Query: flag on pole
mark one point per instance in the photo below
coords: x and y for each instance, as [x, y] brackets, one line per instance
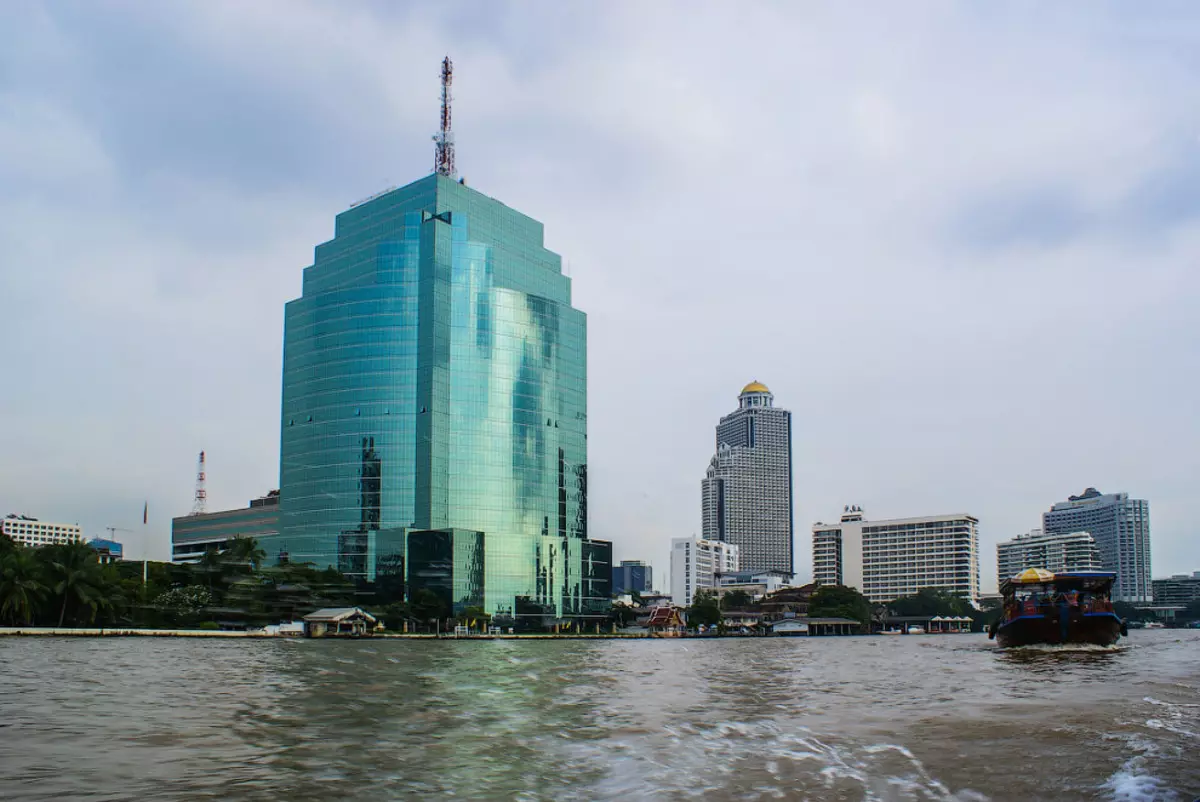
[146, 513]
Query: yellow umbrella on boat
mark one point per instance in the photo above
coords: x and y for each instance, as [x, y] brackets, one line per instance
[1031, 576]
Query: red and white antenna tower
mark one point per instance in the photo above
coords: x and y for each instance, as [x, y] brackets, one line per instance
[201, 504]
[443, 160]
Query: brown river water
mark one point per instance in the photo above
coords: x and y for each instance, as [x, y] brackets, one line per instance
[882, 718]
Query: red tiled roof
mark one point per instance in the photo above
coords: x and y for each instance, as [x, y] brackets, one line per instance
[664, 617]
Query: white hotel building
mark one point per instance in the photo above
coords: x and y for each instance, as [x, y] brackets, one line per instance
[888, 559]
[698, 564]
[32, 532]
[1073, 551]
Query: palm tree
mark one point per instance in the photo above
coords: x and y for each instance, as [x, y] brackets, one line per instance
[212, 563]
[111, 599]
[20, 585]
[75, 571]
[244, 551]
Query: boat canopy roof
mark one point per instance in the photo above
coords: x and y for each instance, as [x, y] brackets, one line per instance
[1041, 579]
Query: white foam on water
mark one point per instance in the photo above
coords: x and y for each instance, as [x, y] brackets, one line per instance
[1179, 718]
[1133, 782]
[1159, 724]
[774, 763]
[1154, 701]
[1057, 648]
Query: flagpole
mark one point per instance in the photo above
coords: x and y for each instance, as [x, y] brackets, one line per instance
[145, 545]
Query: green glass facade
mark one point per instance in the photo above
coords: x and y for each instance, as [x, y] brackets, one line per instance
[435, 407]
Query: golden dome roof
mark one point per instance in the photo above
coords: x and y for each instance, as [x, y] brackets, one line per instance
[755, 387]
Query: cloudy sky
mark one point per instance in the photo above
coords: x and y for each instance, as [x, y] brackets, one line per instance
[958, 241]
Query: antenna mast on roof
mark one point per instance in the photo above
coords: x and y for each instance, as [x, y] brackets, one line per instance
[201, 505]
[443, 160]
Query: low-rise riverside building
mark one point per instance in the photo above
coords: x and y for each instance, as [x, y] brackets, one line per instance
[743, 620]
[788, 602]
[815, 626]
[925, 624]
[666, 620]
[756, 583]
[335, 621]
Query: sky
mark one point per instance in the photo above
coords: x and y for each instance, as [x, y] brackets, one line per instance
[959, 241]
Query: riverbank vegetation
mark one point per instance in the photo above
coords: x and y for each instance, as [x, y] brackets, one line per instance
[66, 585]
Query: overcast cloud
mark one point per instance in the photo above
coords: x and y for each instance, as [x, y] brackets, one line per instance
[958, 241]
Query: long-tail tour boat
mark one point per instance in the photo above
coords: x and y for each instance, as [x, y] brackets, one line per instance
[1044, 607]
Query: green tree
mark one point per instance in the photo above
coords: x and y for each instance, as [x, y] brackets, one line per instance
[930, 602]
[838, 601]
[244, 551]
[638, 600]
[395, 614]
[1130, 613]
[427, 606]
[184, 604]
[736, 600]
[622, 615]
[211, 565]
[75, 575]
[472, 616]
[1191, 612]
[111, 600]
[704, 611]
[21, 586]
[990, 610]
[245, 601]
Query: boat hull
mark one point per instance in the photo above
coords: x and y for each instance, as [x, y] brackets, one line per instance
[1100, 629]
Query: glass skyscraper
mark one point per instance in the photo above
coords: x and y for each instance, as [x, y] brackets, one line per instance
[434, 415]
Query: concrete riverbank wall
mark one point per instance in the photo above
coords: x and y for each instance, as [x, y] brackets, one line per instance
[106, 632]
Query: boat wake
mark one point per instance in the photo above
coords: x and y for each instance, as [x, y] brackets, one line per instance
[1177, 718]
[1066, 648]
[770, 764]
[1133, 782]
[1164, 739]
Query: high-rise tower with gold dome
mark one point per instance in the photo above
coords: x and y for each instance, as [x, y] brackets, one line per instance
[747, 491]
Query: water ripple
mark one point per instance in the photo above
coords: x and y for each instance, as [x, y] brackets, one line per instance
[933, 718]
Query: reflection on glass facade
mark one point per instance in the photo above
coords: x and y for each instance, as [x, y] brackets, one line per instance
[448, 562]
[435, 384]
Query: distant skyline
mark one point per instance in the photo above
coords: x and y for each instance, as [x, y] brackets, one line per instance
[957, 241]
